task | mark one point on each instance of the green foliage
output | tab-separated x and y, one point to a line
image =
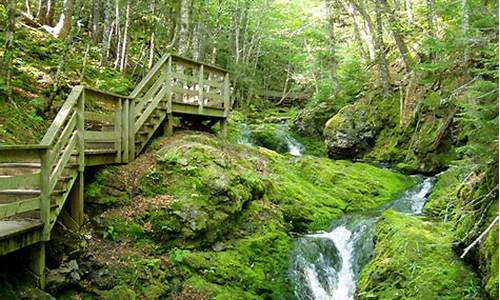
178	255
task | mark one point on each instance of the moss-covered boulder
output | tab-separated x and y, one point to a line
352	131
414	259
311	121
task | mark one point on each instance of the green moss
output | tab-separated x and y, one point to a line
119	292
414	259
489	253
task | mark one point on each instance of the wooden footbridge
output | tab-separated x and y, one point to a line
42	183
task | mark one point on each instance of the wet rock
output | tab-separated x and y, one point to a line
34	294
58	279
310	122
352	131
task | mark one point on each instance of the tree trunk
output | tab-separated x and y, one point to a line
183	46
431	17
107	32
63	27
96	29
50	12
119	35
332	60
42	11
216	34
5	72
465	32
123	63
363	54
396	33
383	68
28	8
409	11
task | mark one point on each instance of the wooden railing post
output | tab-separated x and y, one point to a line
131	128
118	131
169	126
77	193
45	194
227	92
200	89
125	129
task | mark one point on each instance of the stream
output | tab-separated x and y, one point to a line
325	265
282	132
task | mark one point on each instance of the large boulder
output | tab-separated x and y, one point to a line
352	131
311	121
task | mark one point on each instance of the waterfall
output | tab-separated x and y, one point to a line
325	265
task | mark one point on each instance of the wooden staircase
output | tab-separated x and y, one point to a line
42	183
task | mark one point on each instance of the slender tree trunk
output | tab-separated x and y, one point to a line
431	17
409	11
123	63
363	54
28	8
465	33
184	12
119	41
42	11
383	68
5	71
396	33
332	60
107	32
63	27
50	12
217	32
96	29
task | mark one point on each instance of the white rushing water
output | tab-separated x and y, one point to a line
343	287
325	265
293	146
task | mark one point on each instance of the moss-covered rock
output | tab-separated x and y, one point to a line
467	199
222	214
352	131
310	122
414	259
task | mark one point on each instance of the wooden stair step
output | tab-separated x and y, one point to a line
99	151
27	192
9	228
20	165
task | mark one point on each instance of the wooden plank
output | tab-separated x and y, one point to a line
227	91
62	163
183	91
20	181
45	195
99	117
152	91
169	86
125	130
191	79
118	132
62	116
23	147
207	66
138	89
214	96
22	206
31	235
91	135
108	95
185	108
213	83
132	129
18	155
63	139
200	89
152	106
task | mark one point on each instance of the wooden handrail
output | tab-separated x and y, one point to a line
62	115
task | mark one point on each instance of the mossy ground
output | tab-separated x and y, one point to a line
217	217
414	260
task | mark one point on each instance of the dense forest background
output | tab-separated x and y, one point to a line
412	83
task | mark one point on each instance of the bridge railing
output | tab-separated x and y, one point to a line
94	120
